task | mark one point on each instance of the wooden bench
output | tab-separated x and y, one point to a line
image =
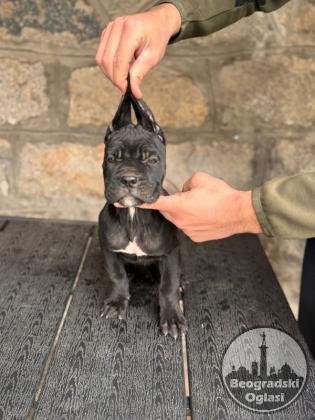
60	360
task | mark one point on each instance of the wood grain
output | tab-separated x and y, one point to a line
111	369
229	289
38	262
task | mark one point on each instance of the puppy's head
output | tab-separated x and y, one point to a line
134	161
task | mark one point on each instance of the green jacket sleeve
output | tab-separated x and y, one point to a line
285	206
203	17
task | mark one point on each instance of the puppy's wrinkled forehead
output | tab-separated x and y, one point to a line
133	137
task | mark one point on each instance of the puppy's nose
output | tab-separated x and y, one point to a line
129	180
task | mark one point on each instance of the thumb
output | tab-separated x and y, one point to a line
139	69
163	203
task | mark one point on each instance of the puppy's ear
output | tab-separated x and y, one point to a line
144	115
108	133
122	116
145	118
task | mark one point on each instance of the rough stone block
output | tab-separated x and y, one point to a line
55	207
117	8
293	156
175	100
93	98
76	18
22	91
295	22
4	178
66	169
5	148
272	91
231	162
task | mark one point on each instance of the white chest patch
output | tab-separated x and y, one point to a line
132	211
132	247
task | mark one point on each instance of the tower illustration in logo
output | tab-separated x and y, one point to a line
264	369
263	356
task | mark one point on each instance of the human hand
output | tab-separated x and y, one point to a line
208	209
143	36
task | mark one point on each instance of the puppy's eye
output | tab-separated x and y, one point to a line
110	159
153	159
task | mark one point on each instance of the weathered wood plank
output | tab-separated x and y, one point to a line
110	369
230	289
38	262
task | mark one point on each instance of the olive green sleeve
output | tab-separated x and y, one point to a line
203	17
285	206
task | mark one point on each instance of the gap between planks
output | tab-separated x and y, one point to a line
185	361
51	353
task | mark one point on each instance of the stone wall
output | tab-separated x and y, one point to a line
238	104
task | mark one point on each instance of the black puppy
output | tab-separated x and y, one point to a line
134	169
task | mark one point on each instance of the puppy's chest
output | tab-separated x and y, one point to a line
141	243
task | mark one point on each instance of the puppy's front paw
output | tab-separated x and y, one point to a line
172	321
115	307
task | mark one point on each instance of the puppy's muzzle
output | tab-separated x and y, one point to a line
129	181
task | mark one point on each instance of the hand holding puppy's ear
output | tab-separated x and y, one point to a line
143	37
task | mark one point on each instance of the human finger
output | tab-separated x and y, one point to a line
100	51
198	179
129	43
163	203
111	47
144	62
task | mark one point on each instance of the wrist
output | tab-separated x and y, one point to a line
171	18
248	219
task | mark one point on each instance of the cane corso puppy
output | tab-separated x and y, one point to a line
134	169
